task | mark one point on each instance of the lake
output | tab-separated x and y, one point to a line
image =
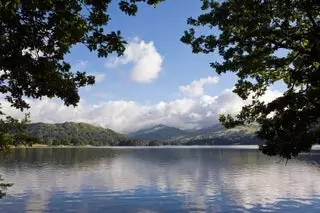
152	180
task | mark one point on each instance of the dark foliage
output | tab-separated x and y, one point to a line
264	42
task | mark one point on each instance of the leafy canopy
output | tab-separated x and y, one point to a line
35	35
264	42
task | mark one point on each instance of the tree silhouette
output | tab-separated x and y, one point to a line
265	42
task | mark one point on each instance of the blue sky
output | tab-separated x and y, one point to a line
157	81
163	26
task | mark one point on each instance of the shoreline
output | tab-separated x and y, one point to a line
314	147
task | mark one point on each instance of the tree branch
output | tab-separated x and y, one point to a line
309	15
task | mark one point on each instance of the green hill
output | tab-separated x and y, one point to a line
216	134
244	135
159	132
70	133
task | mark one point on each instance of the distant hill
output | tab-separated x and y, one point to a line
163	132
70	133
244	135
216	134
208	130
159	132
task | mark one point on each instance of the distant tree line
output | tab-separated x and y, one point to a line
80	134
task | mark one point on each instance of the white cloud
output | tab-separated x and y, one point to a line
127	116
270	95
145	59
207	100
196	88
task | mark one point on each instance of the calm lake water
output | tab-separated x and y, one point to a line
158	180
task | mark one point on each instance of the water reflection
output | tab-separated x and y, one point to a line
158	180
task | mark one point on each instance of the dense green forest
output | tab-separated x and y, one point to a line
70	133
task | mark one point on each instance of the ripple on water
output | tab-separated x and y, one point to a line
159	180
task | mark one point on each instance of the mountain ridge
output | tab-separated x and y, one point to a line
71	133
157	132
151	132
215	132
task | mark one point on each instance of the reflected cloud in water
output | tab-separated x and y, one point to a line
158	180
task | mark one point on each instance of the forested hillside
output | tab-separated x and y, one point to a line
214	135
70	133
78	134
159	132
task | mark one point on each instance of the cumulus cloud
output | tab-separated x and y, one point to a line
144	57
127	116
193	111
196	88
